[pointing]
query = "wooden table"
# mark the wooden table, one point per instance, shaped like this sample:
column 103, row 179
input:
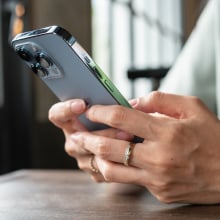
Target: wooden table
column 63, row 194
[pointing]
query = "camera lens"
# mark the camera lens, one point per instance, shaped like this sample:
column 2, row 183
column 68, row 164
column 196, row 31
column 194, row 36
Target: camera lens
column 39, row 70
column 24, row 54
column 43, row 60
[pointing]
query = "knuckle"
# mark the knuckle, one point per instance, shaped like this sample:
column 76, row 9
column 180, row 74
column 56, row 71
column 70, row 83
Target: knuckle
column 162, row 186
column 163, row 190
column 165, row 199
column 155, row 96
column 196, row 100
column 196, row 103
column 117, row 116
column 69, row 149
column 103, row 151
column 164, row 195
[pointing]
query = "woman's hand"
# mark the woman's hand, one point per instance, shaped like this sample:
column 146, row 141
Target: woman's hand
column 65, row 116
column 179, row 159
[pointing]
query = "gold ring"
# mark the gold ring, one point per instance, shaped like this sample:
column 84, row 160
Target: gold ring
column 94, row 170
column 128, row 152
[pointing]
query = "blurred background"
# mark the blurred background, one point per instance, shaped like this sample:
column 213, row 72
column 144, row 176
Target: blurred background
column 135, row 42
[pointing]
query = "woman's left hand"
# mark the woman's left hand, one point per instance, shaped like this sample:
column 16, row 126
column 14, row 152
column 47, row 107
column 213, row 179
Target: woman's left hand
column 179, row 159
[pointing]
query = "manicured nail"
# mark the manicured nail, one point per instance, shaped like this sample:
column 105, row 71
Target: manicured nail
column 133, row 102
column 77, row 106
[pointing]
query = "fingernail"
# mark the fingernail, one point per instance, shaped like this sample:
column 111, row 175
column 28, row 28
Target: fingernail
column 133, row 102
column 78, row 106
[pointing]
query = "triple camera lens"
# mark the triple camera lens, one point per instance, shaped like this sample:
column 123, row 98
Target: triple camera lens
column 38, row 62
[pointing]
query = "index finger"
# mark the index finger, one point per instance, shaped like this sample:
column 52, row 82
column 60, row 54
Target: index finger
column 130, row 120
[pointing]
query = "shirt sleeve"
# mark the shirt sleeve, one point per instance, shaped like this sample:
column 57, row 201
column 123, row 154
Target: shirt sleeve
column 194, row 71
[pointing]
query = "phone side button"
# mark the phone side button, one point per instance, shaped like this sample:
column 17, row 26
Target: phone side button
column 98, row 74
column 109, row 85
column 87, row 59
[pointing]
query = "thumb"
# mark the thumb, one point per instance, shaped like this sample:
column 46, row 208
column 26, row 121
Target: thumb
column 168, row 104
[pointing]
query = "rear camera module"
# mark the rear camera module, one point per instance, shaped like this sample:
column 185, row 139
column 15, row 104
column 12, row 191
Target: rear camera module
column 41, row 63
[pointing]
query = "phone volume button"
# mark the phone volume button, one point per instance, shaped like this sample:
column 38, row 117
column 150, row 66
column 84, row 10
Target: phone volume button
column 98, row 74
column 108, row 84
column 87, row 59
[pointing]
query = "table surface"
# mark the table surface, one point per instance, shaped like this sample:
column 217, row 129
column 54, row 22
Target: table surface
column 65, row 194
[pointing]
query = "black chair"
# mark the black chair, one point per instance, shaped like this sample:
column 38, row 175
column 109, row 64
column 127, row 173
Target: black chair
column 153, row 74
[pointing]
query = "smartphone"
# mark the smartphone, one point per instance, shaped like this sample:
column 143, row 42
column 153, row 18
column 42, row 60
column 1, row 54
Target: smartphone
column 56, row 57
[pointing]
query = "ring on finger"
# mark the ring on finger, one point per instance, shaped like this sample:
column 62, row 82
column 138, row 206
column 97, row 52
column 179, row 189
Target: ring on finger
column 92, row 167
column 128, row 152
